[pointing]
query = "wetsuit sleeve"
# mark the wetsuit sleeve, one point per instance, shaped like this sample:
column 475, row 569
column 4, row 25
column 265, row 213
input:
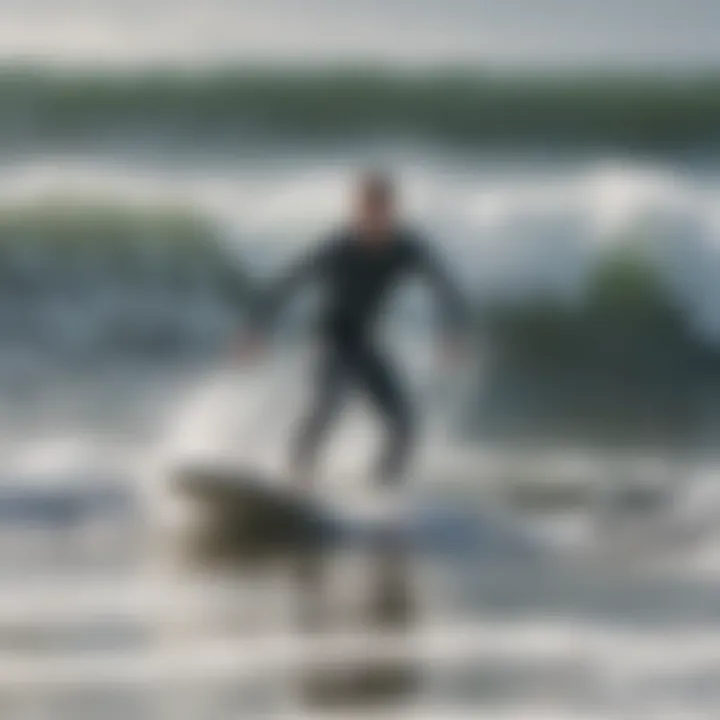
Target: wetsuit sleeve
column 267, row 304
column 454, row 312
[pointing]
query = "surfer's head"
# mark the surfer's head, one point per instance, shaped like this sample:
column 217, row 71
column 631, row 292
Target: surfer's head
column 375, row 205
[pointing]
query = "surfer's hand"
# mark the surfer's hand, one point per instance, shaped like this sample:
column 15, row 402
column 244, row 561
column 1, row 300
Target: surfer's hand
column 453, row 351
column 250, row 348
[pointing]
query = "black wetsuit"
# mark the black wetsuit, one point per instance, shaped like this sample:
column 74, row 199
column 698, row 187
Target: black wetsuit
column 356, row 278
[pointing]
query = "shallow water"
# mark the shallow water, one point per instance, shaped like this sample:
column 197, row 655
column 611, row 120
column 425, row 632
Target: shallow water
column 103, row 614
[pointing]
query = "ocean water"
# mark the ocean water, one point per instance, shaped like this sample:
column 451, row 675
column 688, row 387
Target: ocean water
column 158, row 162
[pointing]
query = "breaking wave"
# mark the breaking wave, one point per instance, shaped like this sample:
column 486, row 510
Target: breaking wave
column 86, row 275
column 580, row 262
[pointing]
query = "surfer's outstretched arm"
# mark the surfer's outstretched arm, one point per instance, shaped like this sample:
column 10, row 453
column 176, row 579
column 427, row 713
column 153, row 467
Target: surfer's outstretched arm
column 454, row 312
column 269, row 302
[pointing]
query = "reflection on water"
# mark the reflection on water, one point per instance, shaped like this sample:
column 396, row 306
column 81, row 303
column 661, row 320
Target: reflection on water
column 381, row 601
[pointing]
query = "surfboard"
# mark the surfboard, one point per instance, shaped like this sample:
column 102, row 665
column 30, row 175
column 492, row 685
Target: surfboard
column 259, row 506
column 263, row 509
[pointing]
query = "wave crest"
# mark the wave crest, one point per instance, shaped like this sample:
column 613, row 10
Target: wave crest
column 452, row 106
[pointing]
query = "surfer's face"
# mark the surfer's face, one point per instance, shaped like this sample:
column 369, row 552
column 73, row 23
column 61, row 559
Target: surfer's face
column 375, row 212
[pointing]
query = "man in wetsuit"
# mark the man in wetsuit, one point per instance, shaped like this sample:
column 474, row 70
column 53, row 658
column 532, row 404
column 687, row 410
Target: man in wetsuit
column 357, row 268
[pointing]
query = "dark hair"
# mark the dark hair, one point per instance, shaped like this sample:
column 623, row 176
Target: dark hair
column 378, row 186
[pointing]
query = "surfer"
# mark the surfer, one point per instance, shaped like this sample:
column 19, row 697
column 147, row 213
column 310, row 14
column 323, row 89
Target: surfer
column 357, row 268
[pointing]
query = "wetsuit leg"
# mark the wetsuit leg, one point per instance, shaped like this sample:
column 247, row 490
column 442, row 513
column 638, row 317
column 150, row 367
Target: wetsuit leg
column 378, row 379
column 330, row 386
